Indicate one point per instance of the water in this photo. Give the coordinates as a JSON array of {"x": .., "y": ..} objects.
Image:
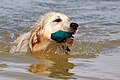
[{"x": 95, "y": 51}]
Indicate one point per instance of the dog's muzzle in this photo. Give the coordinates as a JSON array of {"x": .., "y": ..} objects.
[{"x": 73, "y": 27}]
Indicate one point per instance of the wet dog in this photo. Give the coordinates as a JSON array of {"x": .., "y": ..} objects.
[{"x": 39, "y": 38}]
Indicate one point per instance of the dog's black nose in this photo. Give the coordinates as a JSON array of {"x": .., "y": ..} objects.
[{"x": 74, "y": 26}]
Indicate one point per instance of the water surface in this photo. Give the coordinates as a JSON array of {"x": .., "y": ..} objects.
[{"x": 96, "y": 49}]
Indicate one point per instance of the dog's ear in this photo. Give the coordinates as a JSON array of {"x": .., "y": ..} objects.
[
  {"x": 37, "y": 32},
  {"x": 36, "y": 35}
]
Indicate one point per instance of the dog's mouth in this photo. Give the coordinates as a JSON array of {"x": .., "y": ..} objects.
[
  {"x": 60, "y": 35},
  {"x": 65, "y": 38}
]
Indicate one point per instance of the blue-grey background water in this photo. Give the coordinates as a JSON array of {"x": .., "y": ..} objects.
[{"x": 97, "y": 42}]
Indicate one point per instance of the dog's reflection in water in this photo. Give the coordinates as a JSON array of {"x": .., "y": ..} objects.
[{"x": 52, "y": 65}]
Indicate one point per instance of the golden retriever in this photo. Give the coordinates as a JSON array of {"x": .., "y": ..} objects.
[{"x": 39, "y": 38}]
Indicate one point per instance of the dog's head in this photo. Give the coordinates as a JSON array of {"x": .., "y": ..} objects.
[{"x": 50, "y": 23}]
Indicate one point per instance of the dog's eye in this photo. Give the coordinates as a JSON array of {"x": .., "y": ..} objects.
[{"x": 57, "y": 20}]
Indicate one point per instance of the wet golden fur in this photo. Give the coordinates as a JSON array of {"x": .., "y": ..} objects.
[{"x": 40, "y": 36}]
